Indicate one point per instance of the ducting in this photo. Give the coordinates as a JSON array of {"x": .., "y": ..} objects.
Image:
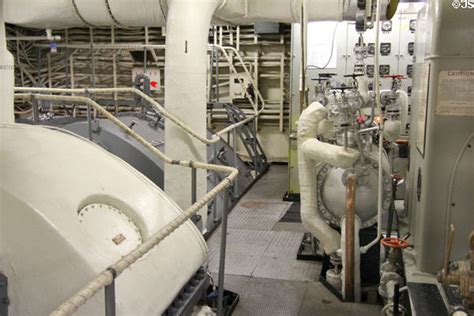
[
  {"x": 7, "y": 76},
  {"x": 77, "y": 13},
  {"x": 185, "y": 94},
  {"x": 311, "y": 153}
]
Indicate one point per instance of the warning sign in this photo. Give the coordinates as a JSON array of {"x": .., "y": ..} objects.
[
  {"x": 152, "y": 73},
  {"x": 456, "y": 93}
]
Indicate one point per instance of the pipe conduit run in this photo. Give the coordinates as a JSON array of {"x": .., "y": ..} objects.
[{"x": 311, "y": 154}]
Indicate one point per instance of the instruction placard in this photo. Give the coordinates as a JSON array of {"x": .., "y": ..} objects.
[
  {"x": 423, "y": 106},
  {"x": 456, "y": 93}
]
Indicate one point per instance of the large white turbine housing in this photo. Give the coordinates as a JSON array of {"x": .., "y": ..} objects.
[{"x": 68, "y": 210}]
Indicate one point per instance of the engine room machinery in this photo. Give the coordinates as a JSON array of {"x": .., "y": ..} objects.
[{"x": 73, "y": 227}]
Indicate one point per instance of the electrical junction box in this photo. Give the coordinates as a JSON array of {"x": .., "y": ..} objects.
[
  {"x": 238, "y": 86},
  {"x": 267, "y": 28},
  {"x": 153, "y": 73}
]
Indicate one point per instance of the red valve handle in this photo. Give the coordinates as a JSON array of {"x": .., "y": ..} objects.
[
  {"x": 395, "y": 76},
  {"x": 393, "y": 242},
  {"x": 397, "y": 177}
]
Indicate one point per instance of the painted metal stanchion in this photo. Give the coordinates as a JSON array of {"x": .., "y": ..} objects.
[
  {"x": 109, "y": 292},
  {"x": 220, "y": 293}
]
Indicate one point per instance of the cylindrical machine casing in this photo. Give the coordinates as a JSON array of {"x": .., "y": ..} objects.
[{"x": 68, "y": 210}]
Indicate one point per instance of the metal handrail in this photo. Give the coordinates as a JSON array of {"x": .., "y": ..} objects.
[
  {"x": 106, "y": 278},
  {"x": 157, "y": 106}
]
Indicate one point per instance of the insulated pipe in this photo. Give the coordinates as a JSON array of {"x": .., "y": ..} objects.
[
  {"x": 78, "y": 13},
  {"x": 187, "y": 28},
  {"x": 311, "y": 153},
  {"x": 7, "y": 76},
  {"x": 285, "y": 11},
  {"x": 139, "y": 13}
]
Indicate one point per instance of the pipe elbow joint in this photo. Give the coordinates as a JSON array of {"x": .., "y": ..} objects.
[
  {"x": 330, "y": 154},
  {"x": 329, "y": 238}
]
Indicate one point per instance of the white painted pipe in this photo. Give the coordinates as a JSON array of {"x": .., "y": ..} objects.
[
  {"x": 286, "y": 11},
  {"x": 312, "y": 152},
  {"x": 77, "y": 13},
  {"x": 379, "y": 110},
  {"x": 7, "y": 76},
  {"x": 187, "y": 28}
]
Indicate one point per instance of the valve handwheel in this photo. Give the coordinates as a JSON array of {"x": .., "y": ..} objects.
[
  {"x": 353, "y": 76},
  {"x": 395, "y": 76},
  {"x": 393, "y": 242}
]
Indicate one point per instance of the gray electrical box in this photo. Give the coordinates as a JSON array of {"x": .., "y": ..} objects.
[{"x": 267, "y": 28}]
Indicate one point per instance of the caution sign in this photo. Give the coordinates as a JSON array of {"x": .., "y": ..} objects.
[{"x": 456, "y": 93}]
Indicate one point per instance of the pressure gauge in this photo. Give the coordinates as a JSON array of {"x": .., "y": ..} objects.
[
  {"x": 384, "y": 70},
  {"x": 371, "y": 49},
  {"x": 385, "y": 49},
  {"x": 410, "y": 71},
  {"x": 411, "y": 48},
  {"x": 386, "y": 26},
  {"x": 370, "y": 71},
  {"x": 412, "y": 25}
]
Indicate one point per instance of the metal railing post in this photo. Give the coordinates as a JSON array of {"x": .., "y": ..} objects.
[
  {"x": 109, "y": 298},
  {"x": 220, "y": 291},
  {"x": 214, "y": 174},
  {"x": 193, "y": 185},
  {"x": 217, "y": 77},
  {"x": 236, "y": 165},
  {"x": 254, "y": 132},
  {"x": 89, "y": 122},
  {"x": 35, "y": 110}
]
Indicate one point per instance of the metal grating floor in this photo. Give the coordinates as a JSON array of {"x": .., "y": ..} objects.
[{"x": 261, "y": 260}]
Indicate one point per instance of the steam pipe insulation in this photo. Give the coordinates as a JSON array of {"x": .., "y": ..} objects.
[
  {"x": 141, "y": 13},
  {"x": 79, "y": 13},
  {"x": 188, "y": 23},
  {"x": 7, "y": 76},
  {"x": 311, "y": 153}
]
